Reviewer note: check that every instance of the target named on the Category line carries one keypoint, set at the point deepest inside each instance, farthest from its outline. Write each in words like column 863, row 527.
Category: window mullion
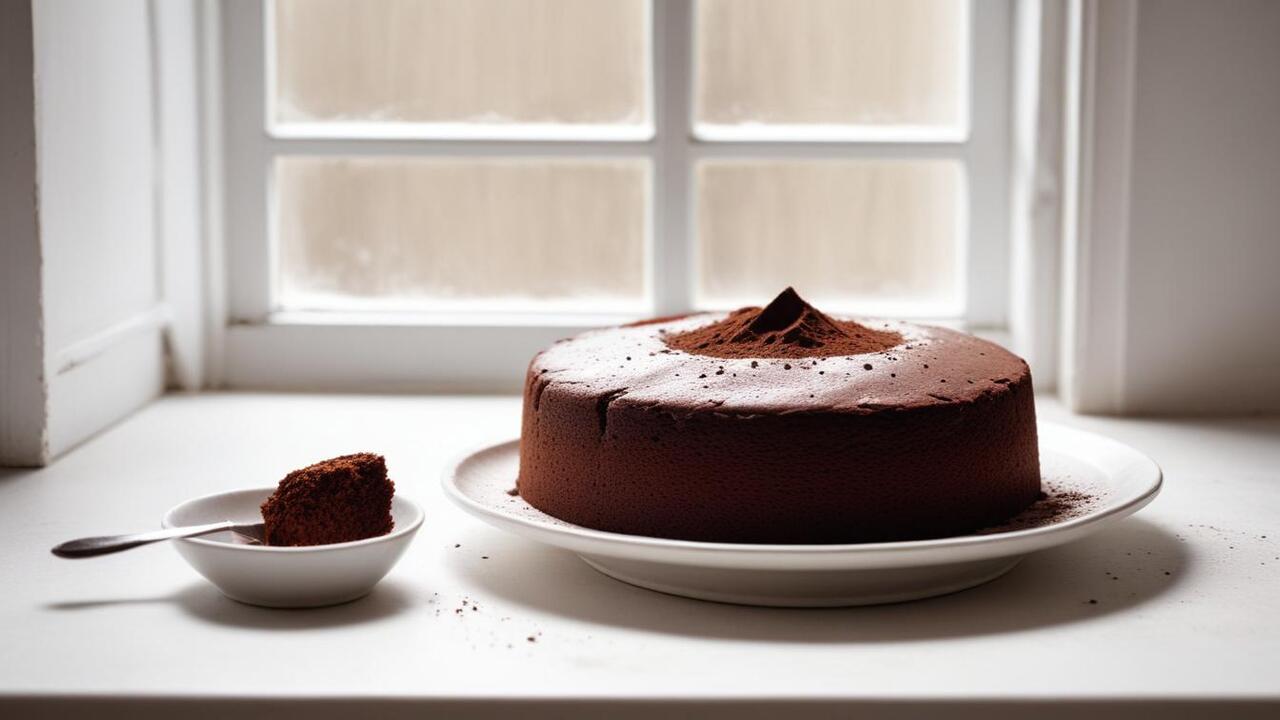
column 248, row 272
column 457, row 148
column 672, row 255
column 824, row 150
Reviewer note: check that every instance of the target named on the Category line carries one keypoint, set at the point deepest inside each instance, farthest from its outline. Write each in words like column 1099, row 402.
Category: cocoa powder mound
column 788, row 327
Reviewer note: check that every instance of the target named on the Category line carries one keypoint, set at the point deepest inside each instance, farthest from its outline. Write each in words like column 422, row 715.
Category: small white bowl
column 311, row 576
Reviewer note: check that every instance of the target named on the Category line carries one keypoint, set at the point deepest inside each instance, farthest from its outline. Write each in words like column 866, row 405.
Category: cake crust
column 930, row 433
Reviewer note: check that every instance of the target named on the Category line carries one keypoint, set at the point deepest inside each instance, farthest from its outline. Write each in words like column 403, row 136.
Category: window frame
column 266, row 347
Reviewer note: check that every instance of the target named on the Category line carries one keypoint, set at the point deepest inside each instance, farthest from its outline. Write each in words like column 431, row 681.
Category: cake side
column 932, row 436
column 813, row 477
column 343, row 499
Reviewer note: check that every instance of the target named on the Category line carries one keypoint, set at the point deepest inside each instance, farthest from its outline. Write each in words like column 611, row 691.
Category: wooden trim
column 87, row 349
column 1096, row 218
column 1036, row 185
column 23, row 388
column 213, row 203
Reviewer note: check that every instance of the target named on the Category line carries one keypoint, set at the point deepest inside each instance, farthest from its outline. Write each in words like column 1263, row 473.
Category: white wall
column 1204, row 252
column 1172, row 241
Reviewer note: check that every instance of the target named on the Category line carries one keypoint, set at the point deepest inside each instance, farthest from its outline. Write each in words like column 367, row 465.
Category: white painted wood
column 673, row 257
column 986, row 265
column 213, row 207
column 1198, row 642
column 245, row 183
column 461, row 131
column 709, row 132
column 87, row 398
column 84, row 351
column 398, row 356
column 96, row 165
column 23, row 408
column 1097, row 265
column 180, row 190
column 1036, row 184
column 1071, row 99
column 413, row 352
column 95, row 266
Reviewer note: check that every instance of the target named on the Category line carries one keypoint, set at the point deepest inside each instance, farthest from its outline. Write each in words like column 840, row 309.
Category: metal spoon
column 90, row 546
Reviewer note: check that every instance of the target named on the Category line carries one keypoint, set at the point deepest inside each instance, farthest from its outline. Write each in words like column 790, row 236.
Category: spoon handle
column 91, row 546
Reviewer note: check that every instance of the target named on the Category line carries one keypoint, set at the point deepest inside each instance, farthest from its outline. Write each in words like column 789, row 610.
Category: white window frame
column 264, row 347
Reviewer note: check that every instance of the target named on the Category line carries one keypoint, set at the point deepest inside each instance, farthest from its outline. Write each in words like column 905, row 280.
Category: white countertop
column 1187, row 617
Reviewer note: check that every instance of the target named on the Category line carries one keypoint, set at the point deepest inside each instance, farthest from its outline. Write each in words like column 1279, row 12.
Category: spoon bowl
column 309, row 576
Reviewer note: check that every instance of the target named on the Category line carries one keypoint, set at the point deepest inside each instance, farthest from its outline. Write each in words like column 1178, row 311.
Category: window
column 499, row 173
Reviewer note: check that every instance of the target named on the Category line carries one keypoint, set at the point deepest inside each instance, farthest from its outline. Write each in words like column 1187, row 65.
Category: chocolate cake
column 339, row 500
column 779, row 425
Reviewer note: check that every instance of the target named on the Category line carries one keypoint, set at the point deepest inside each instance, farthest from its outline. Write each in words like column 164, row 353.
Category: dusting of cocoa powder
column 1054, row 506
column 788, row 327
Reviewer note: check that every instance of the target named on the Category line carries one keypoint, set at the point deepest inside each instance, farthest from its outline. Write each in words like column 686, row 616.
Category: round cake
column 779, row 425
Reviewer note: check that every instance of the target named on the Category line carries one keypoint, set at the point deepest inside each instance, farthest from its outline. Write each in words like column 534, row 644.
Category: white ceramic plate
column 1120, row 480
column 310, row 576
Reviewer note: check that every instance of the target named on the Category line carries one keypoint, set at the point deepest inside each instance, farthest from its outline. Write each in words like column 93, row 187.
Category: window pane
column 867, row 236
column 491, row 62
column 897, row 65
column 484, row 233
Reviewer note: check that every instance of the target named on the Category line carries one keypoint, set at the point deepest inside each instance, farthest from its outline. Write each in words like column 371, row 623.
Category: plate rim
column 1070, row 528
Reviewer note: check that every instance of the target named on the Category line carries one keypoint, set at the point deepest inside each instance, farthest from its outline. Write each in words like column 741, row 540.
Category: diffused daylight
column 728, row 359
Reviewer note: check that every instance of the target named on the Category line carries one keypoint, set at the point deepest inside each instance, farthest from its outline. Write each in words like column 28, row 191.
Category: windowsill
column 429, row 319
column 142, row 631
column 407, row 352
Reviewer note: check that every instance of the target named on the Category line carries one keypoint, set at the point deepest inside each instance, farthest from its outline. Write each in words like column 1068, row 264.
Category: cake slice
column 339, row 500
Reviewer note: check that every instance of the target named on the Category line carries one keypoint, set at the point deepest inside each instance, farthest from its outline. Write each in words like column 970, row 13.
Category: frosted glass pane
column 462, row 61
column 407, row 233
column 870, row 236
column 830, row 62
